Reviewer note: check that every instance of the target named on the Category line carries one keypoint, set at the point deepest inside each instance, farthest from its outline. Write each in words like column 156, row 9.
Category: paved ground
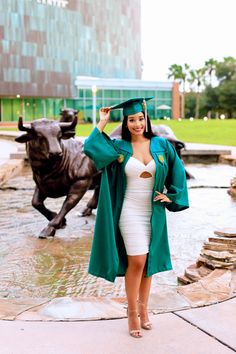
column 208, row 330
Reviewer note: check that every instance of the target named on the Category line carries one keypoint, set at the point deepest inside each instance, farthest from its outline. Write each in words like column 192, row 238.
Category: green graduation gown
column 108, row 255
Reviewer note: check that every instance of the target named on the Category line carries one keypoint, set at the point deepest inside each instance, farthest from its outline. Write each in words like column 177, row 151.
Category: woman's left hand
column 161, row 197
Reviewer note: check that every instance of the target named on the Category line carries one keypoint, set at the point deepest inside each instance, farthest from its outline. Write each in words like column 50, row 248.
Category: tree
column 197, row 79
column 180, row 73
column 226, row 70
column 226, row 74
column 210, row 100
column 210, row 69
column 190, row 104
column 227, row 96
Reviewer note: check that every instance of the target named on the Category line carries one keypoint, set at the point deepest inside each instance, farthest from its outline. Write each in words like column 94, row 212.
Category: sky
column 185, row 31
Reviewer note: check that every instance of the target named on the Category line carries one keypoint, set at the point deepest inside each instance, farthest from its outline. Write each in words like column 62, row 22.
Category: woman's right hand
column 104, row 114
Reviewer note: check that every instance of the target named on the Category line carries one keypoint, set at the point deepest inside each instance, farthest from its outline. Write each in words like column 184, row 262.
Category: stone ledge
column 61, row 309
column 206, row 152
column 226, row 232
column 9, row 135
column 219, row 286
column 19, row 155
column 10, row 169
column 228, row 159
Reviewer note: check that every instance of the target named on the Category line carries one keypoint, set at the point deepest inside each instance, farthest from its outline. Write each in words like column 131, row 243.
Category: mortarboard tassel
column 145, row 115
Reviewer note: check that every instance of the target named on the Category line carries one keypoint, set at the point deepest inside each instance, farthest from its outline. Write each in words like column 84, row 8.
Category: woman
column 130, row 237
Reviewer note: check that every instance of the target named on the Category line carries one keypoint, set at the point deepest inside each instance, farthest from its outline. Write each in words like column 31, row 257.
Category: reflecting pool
column 31, row 267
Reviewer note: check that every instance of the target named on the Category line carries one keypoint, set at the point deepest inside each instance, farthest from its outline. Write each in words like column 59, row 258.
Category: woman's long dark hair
column 125, row 133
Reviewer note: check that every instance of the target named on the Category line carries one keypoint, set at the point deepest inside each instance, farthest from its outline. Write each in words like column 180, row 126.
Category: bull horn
column 21, row 125
column 70, row 125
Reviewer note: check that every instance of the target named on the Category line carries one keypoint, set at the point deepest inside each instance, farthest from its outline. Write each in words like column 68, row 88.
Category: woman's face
column 136, row 124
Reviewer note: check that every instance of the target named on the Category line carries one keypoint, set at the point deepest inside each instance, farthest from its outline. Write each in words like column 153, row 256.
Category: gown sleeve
column 175, row 183
column 100, row 148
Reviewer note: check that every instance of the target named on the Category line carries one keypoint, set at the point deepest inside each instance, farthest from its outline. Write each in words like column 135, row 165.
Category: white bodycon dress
column 136, row 211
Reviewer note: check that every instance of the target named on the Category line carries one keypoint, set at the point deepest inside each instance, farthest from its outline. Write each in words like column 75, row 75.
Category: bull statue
column 67, row 114
column 163, row 131
column 60, row 168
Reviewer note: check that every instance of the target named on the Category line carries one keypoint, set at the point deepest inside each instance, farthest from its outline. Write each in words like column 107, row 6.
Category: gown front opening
column 134, row 223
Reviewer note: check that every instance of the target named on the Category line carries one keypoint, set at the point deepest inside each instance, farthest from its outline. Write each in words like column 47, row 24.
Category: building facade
column 46, row 44
column 107, row 92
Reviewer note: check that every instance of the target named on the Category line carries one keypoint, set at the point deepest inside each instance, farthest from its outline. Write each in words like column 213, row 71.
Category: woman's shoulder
column 158, row 142
column 123, row 145
column 117, row 142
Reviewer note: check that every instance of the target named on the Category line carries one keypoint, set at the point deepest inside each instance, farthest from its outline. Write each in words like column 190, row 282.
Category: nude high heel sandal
column 135, row 333
column 143, row 313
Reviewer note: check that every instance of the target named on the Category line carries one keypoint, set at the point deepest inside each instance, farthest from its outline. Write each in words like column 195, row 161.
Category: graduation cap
column 133, row 106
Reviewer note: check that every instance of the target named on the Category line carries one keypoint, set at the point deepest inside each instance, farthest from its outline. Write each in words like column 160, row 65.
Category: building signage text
column 58, row 3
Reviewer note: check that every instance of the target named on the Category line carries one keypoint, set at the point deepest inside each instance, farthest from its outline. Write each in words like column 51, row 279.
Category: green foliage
column 179, row 73
column 210, row 67
column 226, row 70
column 190, row 104
column 227, row 96
column 209, row 101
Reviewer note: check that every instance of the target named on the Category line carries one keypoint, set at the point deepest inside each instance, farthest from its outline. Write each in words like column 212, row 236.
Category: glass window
column 28, row 108
column 107, row 93
column 80, row 93
column 127, row 94
column 88, row 93
column 99, row 93
column 7, row 110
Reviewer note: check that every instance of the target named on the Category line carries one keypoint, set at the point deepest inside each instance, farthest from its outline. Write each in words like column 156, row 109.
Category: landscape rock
column 218, row 252
column 227, row 232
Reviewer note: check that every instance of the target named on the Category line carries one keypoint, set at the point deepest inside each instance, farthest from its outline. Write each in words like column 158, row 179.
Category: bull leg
column 37, row 203
column 92, row 203
column 75, row 194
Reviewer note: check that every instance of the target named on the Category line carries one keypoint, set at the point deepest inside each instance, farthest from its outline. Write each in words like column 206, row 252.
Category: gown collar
column 155, row 145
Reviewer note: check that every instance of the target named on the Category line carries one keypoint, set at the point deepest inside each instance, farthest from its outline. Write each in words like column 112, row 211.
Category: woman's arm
column 176, row 182
column 98, row 146
column 104, row 114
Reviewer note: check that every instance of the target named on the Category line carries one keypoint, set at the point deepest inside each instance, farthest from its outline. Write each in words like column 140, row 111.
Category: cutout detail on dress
column 145, row 174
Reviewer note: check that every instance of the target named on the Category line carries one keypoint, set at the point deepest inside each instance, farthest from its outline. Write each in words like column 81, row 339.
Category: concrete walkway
column 204, row 330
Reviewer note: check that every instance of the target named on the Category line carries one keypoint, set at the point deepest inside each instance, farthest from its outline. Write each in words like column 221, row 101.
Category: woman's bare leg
column 144, row 292
column 144, row 289
column 133, row 278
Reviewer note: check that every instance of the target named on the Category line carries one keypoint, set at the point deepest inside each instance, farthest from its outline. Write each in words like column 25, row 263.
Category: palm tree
column 180, row 73
column 197, row 79
column 210, row 67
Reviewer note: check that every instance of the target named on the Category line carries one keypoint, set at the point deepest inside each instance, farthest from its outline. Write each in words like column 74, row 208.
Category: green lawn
column 221, row 132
